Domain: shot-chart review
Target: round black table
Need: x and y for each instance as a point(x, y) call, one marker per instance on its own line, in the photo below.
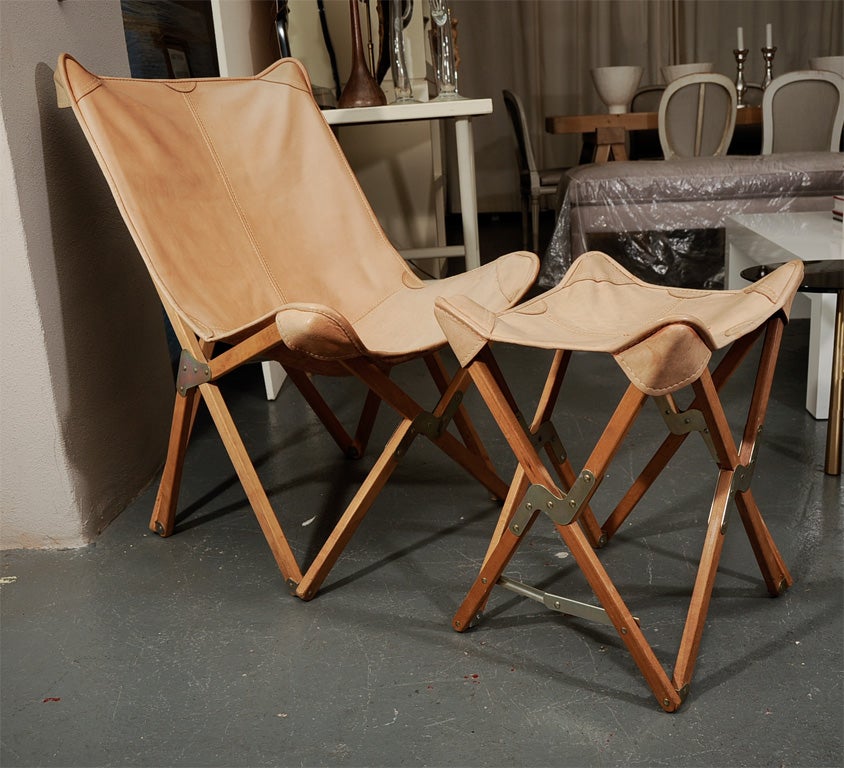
point(824, 277)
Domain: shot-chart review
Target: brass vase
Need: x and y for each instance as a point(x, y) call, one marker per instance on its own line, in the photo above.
point(361, 89)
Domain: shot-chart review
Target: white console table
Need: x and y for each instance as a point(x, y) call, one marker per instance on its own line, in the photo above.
point(460, 111)
point(765, 238)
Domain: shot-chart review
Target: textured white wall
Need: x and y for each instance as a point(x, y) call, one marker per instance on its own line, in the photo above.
point(85, 384)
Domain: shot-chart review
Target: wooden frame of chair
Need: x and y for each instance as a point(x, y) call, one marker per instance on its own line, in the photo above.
point(414, 420)
point(572, 516)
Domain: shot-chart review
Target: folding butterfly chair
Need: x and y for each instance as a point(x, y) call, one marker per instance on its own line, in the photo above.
point(663, 339)
point(256, 234)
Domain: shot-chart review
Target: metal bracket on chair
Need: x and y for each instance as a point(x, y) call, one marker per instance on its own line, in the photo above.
point(562, 511)
point(547, 435)
point(556, 603)
point(429, 425)
point(191, 373)
point(683, 422)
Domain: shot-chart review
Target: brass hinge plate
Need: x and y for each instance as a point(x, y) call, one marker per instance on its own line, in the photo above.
point(683, 422)
point(192, 373)
point(562, 511)
point(429, 425)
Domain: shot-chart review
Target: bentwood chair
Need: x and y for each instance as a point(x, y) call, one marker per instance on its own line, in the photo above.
point(697, 116)
point(261, 245)
point(663, 339)
point(534, 183)
point(803, 111)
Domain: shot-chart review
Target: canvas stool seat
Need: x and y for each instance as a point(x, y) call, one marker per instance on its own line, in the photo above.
point(663, 339)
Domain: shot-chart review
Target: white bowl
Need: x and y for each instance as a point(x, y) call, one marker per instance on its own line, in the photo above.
point(673, 71)
point(828, 63)
point(616, 86)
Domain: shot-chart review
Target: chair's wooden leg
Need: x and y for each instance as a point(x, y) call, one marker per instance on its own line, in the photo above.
point(315, 574)
point(163, 516)
point(408, 408)
point(323, 412)
point(367, 420)
point(397, 446)
point(251, 483)
point(461, 418)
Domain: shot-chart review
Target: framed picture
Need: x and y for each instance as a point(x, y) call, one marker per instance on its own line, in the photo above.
point(176, 52)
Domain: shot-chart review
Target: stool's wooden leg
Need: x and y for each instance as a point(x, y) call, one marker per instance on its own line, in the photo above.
point(461, 418)
point(773, 568)
point(723, 371)
point(705, 580)
point(669, 696)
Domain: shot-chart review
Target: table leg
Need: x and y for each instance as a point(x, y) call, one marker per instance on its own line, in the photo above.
point(832, 465)
point(610, 144)
point(468, 193)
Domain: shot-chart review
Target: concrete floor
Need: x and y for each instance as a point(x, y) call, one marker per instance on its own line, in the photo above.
point(189, 651)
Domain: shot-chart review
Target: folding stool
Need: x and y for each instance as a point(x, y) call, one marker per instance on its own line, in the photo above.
point(663, 339)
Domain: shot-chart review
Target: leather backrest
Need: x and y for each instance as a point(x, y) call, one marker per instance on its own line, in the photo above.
point(237, 194)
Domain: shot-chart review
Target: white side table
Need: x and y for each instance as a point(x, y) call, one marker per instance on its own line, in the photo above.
point(461, 111)
point(764, 238)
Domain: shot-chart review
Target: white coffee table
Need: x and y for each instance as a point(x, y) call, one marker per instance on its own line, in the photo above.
point(764, 238)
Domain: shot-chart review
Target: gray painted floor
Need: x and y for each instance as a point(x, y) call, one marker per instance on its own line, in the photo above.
point(189, 651)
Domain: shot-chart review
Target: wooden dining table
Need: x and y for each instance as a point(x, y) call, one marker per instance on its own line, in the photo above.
point(610, 131)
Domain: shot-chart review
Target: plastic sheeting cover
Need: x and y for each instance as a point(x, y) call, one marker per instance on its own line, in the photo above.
point(664, 220)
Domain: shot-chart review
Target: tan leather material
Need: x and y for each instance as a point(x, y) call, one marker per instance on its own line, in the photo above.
point(600, 307)
point(670, 359)
point(467, 326)
point(406, 320)
point(242, 203)
point(317, 331)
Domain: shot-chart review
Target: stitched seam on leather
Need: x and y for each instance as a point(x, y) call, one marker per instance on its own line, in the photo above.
point(198, 326)
point(232, 197)
point(89, 88)
point(671, 387)
point(340, 327)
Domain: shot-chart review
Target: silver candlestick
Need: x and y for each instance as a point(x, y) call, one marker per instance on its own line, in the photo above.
point(741, 86)
point(768, 55)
